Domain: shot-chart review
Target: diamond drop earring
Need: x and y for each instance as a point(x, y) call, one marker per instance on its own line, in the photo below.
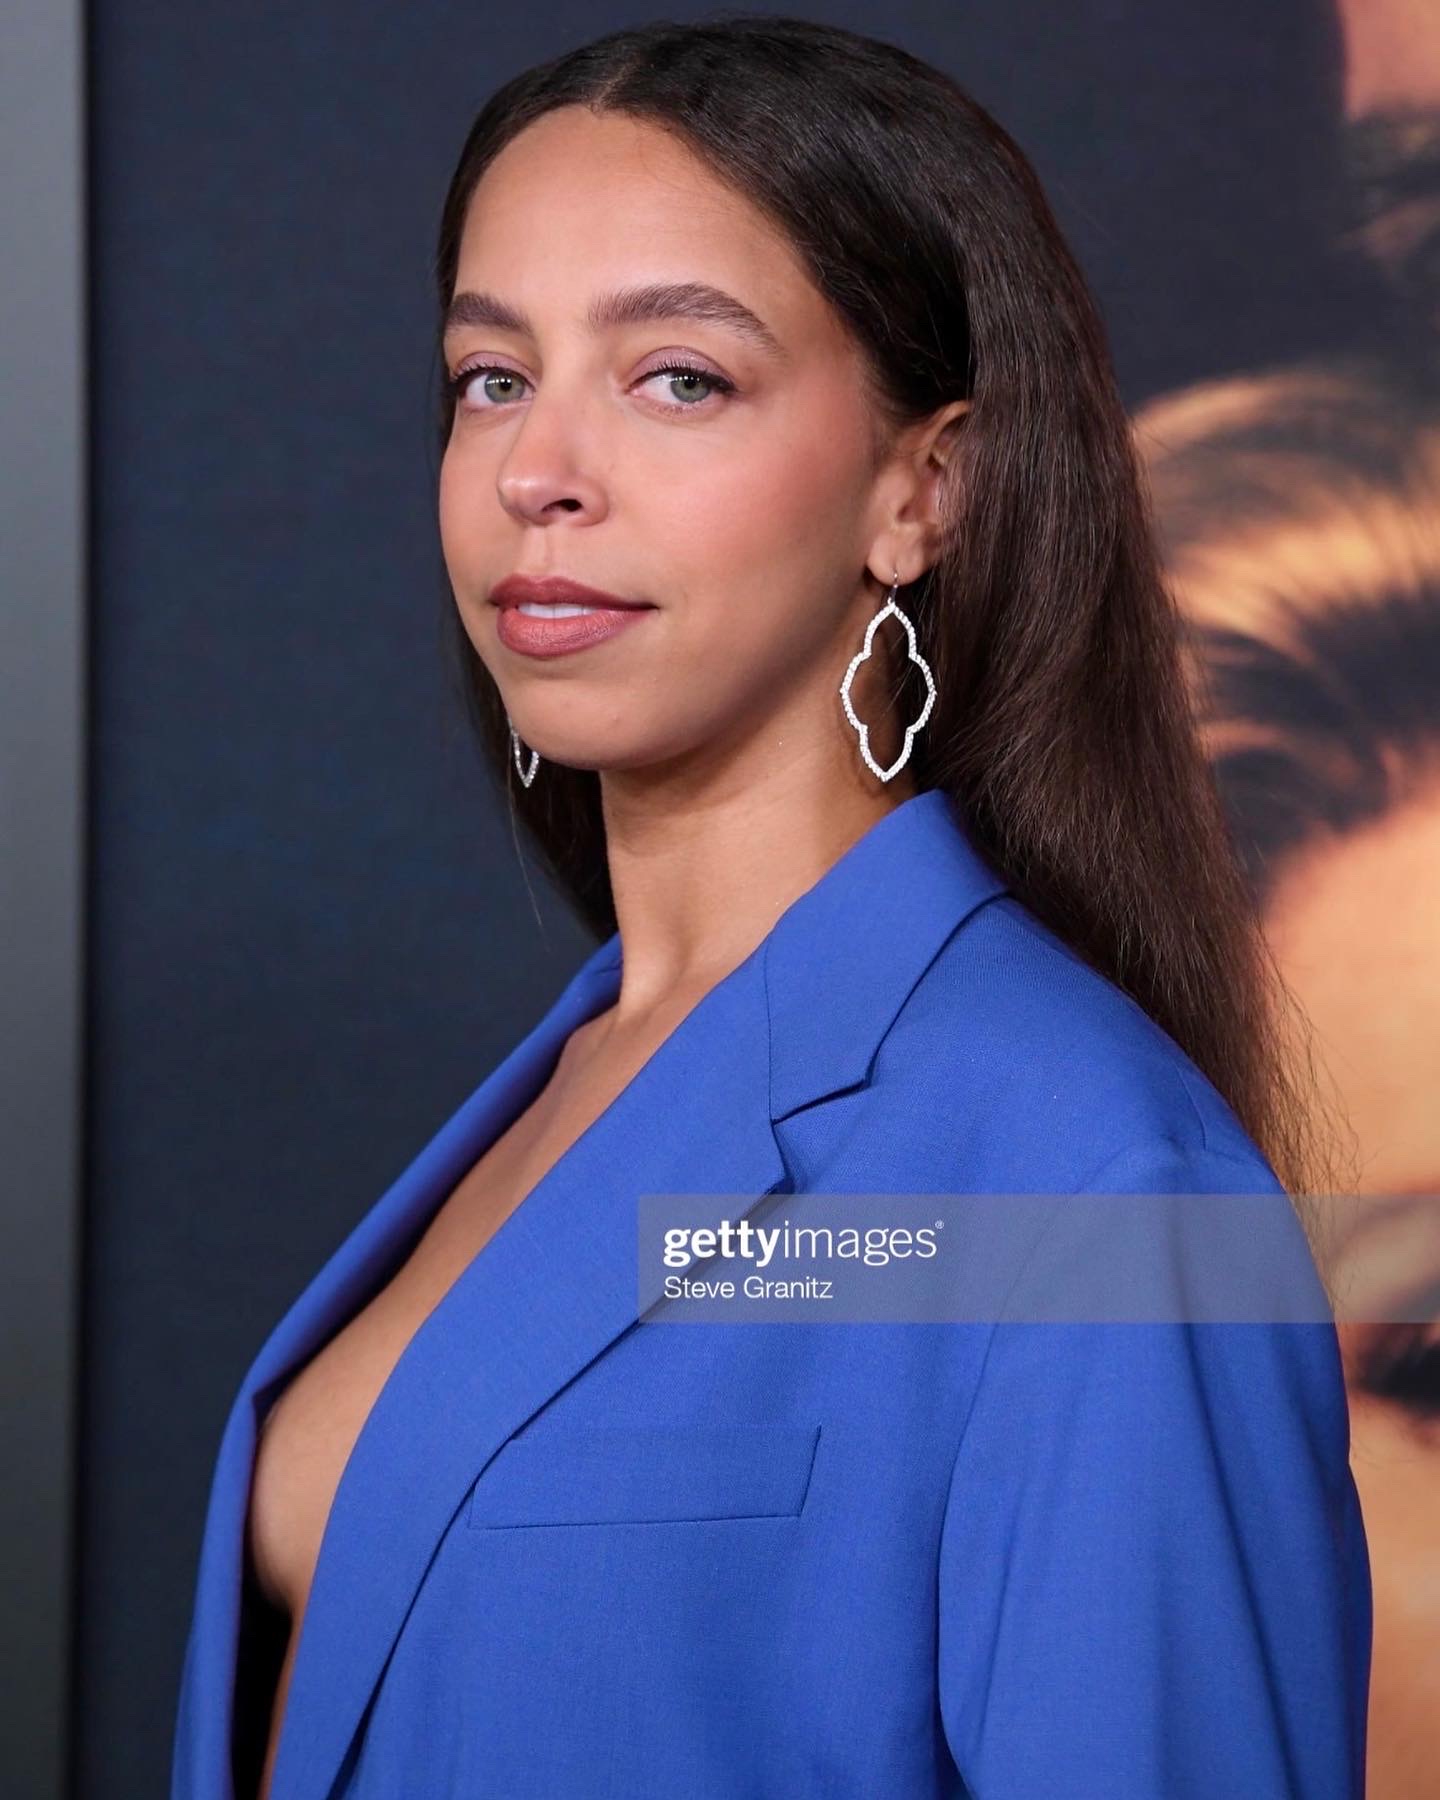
point(526, 775)
point(889, 609)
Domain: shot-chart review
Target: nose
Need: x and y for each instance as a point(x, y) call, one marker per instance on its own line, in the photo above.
point(544, 474)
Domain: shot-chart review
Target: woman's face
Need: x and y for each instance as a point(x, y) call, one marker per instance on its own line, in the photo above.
point(742, 501)
point(1352, 924)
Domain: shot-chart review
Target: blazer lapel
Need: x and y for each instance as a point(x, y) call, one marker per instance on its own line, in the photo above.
point(554, 1286)
point(798, 1021)
point(351, 1276)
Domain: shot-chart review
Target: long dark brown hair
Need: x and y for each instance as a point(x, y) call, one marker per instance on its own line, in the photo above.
point(1062, 726)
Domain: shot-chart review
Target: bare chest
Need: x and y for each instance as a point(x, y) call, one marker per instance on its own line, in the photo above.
point(313, 1426)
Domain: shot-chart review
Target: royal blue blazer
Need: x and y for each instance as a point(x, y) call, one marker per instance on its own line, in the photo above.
point(577, 1556)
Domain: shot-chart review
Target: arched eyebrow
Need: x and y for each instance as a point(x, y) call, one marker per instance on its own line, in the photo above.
point(627, 306)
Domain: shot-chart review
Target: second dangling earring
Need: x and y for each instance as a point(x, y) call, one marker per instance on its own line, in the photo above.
point(888, 610)
point(526, 775)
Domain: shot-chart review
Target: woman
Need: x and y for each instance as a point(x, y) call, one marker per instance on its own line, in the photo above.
point(765, 332)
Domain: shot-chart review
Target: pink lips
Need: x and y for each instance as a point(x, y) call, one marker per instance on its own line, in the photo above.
point(535, 634)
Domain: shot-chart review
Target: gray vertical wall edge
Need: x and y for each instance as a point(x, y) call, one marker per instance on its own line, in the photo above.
point(43, 560)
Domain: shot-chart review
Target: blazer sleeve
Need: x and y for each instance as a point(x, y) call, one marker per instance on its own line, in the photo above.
point(1153, 1576)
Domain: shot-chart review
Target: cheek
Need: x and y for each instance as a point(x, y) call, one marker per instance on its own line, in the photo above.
point(470, 525)
point(1397, 1473)
point(784, 512)
point(812, 472)
point(453, 511)
point(766, 547)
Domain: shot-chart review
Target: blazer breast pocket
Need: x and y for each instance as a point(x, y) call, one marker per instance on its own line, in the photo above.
point(639, 1474)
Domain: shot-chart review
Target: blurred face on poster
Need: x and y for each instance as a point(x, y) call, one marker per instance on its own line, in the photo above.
point(1299, 511)
point(1355, 926)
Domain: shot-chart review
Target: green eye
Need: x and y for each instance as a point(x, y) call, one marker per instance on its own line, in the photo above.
point(713, 384)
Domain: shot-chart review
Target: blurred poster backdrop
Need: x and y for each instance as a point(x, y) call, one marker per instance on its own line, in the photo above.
point(1299, 507)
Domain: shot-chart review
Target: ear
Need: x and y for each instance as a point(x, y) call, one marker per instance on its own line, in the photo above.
point(912, 543)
